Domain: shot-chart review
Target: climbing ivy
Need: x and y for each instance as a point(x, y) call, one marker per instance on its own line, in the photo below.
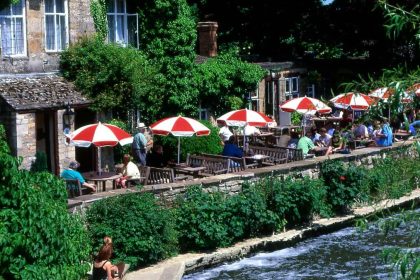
point(98, 11)
point(6, 3)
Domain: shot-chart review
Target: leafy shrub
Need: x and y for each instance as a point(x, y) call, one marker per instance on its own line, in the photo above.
point(142, 230)
point(39, 239)
point(120, 151)
point(40, 163)
point(296, 200)
point(345, 185)
point(201, 220)
point(248, 215)
point(192, 145)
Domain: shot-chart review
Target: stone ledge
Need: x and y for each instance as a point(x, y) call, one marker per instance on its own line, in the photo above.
point(173, 269)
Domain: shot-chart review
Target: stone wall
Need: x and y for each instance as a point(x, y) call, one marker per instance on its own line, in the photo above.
point(66, 153)
point(80, 24)
point(26, 138)
point(231, 183)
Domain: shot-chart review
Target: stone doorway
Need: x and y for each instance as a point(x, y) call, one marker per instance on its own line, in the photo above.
point(46, 138)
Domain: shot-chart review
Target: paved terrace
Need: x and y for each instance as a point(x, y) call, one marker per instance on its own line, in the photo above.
point(231, 182)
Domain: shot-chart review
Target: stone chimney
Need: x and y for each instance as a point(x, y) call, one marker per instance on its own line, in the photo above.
point(207, 38)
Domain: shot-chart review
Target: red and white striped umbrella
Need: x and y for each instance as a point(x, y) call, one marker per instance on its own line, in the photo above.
point(243, 117)
point(414, 89)
point(100, 135)
point(354, 101)
point(385, 93)
point(305, 105)
point(179, 126)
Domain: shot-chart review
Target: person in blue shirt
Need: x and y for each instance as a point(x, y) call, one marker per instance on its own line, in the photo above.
point(138, 147)
point(412, 127)
point(72, 173)
point(231, 149)
point(384, 138)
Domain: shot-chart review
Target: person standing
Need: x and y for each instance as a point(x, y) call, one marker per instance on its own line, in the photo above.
point(138, 147)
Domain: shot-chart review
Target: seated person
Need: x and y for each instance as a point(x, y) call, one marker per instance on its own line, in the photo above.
point(305, 144)
point(225, 133)
point(72, 173)
point(337, 114)
point(231, 149)
point(324, 138)
point(384, 137)
point(129, 171)
point(336, 143)
point(294, 139)
point(156, 157)
point(102, 267)
point(251, 130)
point(412, 127)
point(314, 134)
point(360, 131)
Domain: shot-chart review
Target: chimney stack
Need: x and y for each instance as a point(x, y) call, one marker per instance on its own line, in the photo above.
point(207, 38)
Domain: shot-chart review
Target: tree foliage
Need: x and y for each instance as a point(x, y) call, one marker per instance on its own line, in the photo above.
point(39, 239)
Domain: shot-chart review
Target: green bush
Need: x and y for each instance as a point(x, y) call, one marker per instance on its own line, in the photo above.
point(248, 215)
point(345, 185)
point(141, 229)
point(39, 239)
point(40, 163)
point(201, 220)
point(296, 200)
point(192, 145)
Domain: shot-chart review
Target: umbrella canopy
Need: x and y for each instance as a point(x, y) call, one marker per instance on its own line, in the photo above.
point(179, 126)
point(414, 89)
point(352, 100)
point(243, 117)
point(100, 135)
point(385, 93)
point(305, 105)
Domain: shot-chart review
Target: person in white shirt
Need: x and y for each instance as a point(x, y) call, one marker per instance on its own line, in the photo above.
point(251, 130)
point(324, 138)
point(129, 171)
point(225, 133)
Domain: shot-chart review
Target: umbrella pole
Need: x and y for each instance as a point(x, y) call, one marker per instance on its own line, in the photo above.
point(179, 147)
point(99, 161)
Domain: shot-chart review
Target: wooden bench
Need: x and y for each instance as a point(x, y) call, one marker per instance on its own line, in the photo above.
point(213, 165)
point(157, 176)
point(277, 155)
point(236, 164)
point(295, 154)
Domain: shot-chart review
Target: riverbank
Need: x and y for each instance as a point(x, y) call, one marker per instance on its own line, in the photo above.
point(175, 268)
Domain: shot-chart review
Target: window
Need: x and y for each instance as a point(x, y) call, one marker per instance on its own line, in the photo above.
point(12, 30)
point(292, 86)
point(203, 113)
point(122, 23)
point(56, 37)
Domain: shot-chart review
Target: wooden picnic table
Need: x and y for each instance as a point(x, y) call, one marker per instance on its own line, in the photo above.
point(259, 159)
point(101, 178)
point(189, 170)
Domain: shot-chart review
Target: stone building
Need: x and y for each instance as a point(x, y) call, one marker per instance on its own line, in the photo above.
point(33, 97)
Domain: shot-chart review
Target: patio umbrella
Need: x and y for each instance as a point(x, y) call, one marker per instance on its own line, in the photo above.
point(179, 127)
point(305, 105)
point(244, 117)
point(414, 89)
point(100, 135)
point(352, 100)
point(385, 93)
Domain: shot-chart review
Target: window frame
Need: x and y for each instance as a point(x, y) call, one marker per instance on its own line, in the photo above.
point(11, 16)
point(125, 15)
point(66, 21)
point(293, 84)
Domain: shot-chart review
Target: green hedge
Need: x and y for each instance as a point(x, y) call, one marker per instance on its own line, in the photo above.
point(145, 232)
point(39, 239)
point(141, 229)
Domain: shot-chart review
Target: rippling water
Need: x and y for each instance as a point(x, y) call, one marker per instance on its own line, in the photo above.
point(346, 254)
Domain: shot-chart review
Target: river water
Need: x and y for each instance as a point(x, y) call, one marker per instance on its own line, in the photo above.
point(346, 254)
